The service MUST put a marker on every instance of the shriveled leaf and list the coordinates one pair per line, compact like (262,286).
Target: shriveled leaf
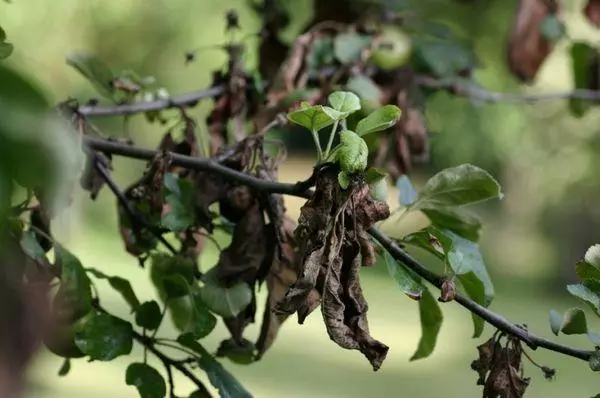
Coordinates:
(555,321)
(344,101)
(583,59)
(121,285)
(148,381)
(148,315)
(379,120)
(93,69)
(105,337)
(314,118)
(585,294)
(407,193)
(594,361)
(353,153)
(409,283)
(73,280)
(224,301)
(574,322)
(348,47)
(65,368)
(457,186)
(431,321)
(458,220)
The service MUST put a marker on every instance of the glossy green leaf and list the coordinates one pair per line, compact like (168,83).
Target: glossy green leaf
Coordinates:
(224,301)
(458,220)
(594,361)
(586,295)
(6,49)
(74,282)
(457,186)
(105,337)
(366,89)
(314,118)
(353,153)
(343,179)
(121,285)
(556,321)
(574,322)
(349,46)
(344,102)
(148,315)
(148,381)
(431,322)
(408,194)
(179,195)
(65,368)
(93,69)
(31,246)
(409,283)
(581,56)
(379,120)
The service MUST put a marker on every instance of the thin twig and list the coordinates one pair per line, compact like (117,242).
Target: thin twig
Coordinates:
(300,190)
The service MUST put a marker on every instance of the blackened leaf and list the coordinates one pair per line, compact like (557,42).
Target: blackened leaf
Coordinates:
(121,285)
(581,55)
(458,220)
(348,47)
(408,194)
(314,118)
(224,301)
(148,381)
(73,280)
(431,322)
(457,186)
(409,283)
(379,120)
(574,322)
(65,368)
(105,337)
(148,315)
(201,321)
(95,71)
(31,247)
(594,361)
(587,295)
(344,102)
(219,377)
(555,321)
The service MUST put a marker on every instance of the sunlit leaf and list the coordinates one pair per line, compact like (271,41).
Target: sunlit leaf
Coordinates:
(431,322)
(379,120)
(314,118)
(344,101)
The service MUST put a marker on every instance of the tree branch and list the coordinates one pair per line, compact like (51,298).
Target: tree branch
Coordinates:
(300,189)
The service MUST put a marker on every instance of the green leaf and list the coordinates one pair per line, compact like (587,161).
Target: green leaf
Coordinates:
(219,377)
(379,190)
(594,361)
(224,301)
(105,337)
(476,291)
(6,49)
(240,353)
(585,270)
(368,92)
(374,174)
(344,101)
(425,240)
(201,321)
(65,367)
(457,186)
(408,194)
(121,285)
(556,321)
(179,195)
(31,246)
(73,280)
(586,295)
(93,69)
(443,58)
(353,153)
(592,256)
(148,381)
(349,46)
(379,120)
(320,54)
(2,34)
(581,56)
(343,179)
(314,118)
(409,283)
(552,28)
(574,322)
(431,322)
(148,315)
(458,220)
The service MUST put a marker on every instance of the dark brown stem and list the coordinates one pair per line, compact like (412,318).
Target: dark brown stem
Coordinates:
(300,189)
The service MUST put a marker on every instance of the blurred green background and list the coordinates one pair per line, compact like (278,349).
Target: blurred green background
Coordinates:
(544,158)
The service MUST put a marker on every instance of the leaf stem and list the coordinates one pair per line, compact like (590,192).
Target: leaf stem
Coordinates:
(315,136)
(331,136)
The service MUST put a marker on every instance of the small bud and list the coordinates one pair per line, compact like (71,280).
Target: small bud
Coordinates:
(448,291)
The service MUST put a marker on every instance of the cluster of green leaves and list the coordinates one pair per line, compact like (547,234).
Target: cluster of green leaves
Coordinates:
(452,238)
(352,152)
(574,320)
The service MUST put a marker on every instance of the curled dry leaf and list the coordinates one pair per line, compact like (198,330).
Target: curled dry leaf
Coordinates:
(332,248)
(527,46)
(592,12)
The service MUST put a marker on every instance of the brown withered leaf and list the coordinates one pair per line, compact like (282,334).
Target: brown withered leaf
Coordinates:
(236,202)
(592,12)
(448,291)
(192,243)
(527,46)
(487,352)
(90,179)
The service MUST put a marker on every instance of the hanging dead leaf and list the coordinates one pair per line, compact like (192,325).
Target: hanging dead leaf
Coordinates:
(528,47)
